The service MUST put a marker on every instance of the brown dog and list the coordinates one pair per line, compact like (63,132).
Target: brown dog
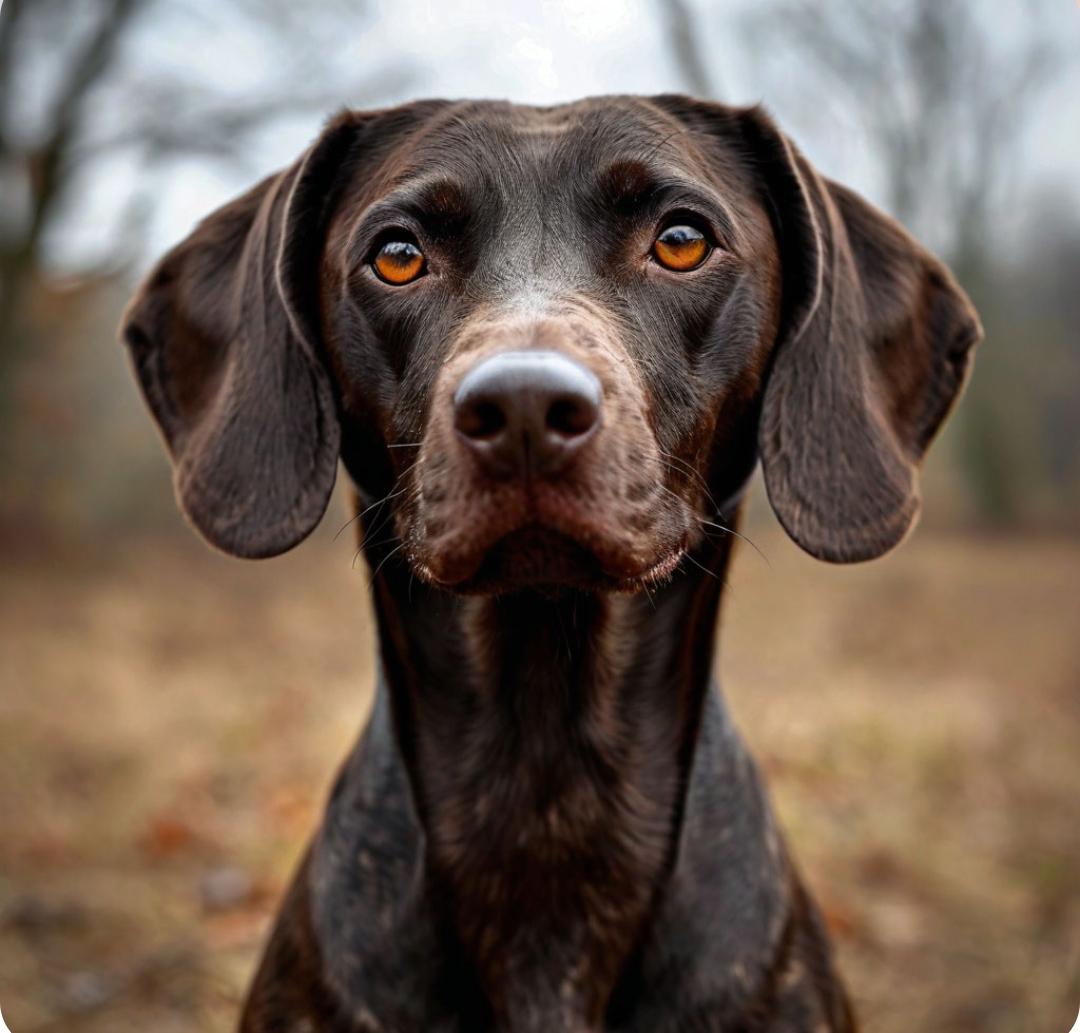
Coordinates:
(549,345)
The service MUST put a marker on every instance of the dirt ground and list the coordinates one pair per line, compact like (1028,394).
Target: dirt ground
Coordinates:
(170,721)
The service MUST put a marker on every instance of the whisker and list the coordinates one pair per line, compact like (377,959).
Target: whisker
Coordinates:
(678,498)
(382,563)
(686,469)
(386,498)
(383,520)
(363,513)
(728,530)
(391,537)
(711,573)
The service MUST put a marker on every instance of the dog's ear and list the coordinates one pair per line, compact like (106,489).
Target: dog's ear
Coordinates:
(224,338)
(873,348)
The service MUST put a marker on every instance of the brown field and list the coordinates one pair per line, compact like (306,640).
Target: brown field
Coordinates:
(170,720)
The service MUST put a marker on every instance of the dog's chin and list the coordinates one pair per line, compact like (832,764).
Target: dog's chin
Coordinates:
(540,559)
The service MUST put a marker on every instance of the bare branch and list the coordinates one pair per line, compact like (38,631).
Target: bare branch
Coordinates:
(11,14)
(49,160)
(931,94)
(684,41)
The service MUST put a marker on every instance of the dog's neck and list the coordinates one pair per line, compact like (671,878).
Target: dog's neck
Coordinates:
(548,741)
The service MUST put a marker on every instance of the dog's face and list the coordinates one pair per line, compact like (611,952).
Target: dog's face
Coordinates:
(554,339)
(546,312)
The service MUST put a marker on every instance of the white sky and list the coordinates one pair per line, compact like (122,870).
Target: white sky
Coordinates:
(542,51)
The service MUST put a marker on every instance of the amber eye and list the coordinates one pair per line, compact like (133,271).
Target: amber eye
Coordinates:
(399,262)
(681,248)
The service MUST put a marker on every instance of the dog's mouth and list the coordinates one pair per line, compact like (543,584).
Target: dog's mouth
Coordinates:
(538,557)
(506,543)
(534,556)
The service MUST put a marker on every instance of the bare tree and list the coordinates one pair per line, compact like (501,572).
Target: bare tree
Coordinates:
(940,94)
(35,164)
(680,31)
(82,82)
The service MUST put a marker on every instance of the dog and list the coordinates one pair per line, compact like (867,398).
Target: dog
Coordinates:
(549,346)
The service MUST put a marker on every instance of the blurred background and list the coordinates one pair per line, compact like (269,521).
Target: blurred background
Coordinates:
(170,719)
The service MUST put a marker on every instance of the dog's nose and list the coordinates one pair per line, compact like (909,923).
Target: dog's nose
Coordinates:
(525,413)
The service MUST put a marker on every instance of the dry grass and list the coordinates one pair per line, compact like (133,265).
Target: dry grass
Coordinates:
(169,721)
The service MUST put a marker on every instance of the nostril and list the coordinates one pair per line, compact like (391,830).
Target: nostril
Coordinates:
(571,416)
(526,413)
(482,419)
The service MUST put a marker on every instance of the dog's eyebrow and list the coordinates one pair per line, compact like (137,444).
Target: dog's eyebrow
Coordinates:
(439,203)
(630,186)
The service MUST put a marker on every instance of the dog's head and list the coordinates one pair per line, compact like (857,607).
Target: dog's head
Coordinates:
(553,339)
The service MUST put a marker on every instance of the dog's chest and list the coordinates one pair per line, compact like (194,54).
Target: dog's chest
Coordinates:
(378,928)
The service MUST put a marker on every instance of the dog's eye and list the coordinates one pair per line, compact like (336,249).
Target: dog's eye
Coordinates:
(681,248)
(398,262)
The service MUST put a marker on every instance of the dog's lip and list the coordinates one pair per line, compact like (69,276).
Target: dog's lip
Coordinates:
(661,569)
(609,554)
(529,533)
(606,574)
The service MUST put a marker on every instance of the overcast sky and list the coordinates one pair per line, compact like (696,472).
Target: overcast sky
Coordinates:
(538,52)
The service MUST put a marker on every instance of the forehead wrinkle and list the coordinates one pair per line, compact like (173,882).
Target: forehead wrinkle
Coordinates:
(636,127)
(689,146)
(636,134)
(678,186)
(429,192)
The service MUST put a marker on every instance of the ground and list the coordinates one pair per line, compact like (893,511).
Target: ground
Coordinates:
(170,721)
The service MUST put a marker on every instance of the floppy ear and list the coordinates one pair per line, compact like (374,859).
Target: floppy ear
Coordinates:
(873,348)
(224,338)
